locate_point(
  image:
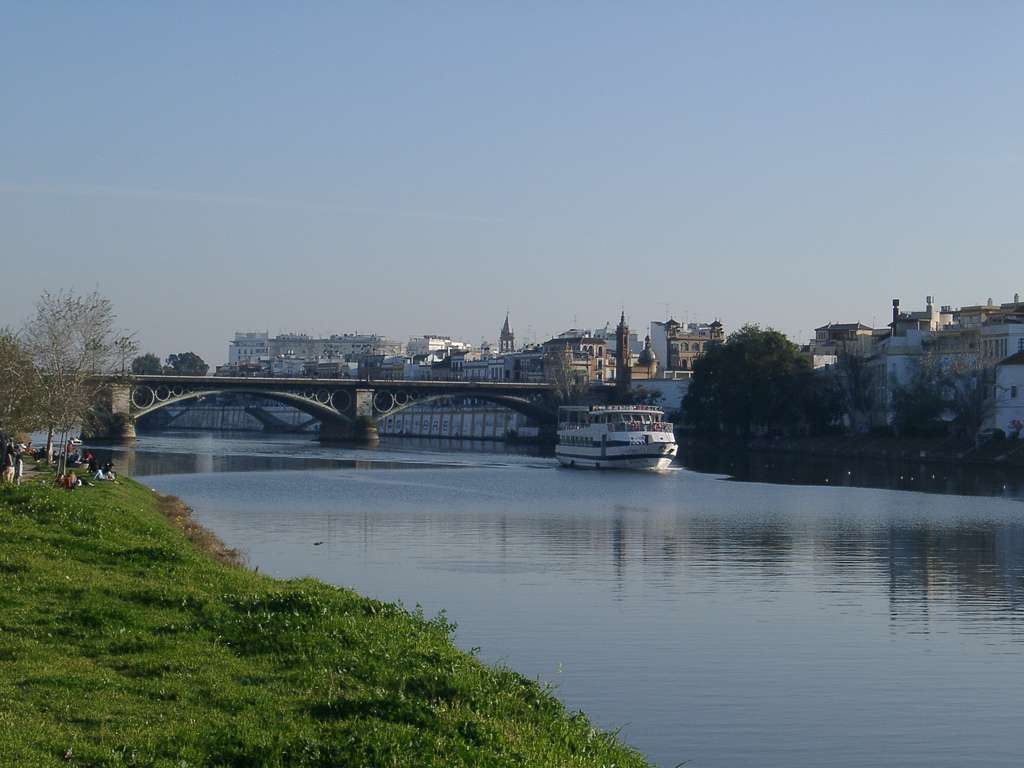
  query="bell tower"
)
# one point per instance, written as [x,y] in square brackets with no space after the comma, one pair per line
[623,369]
[507,340]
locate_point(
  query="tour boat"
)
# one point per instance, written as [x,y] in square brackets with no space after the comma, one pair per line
[614,437]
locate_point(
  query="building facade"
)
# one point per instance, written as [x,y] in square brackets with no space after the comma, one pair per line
[677,346]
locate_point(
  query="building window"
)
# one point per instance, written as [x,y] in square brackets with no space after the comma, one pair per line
[1013,391]
[1020,344]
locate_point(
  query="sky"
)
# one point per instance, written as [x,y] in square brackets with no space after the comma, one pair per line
[422,168]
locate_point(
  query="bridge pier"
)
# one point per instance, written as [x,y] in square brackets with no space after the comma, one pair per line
[362,431]
[110,420]
[122,425]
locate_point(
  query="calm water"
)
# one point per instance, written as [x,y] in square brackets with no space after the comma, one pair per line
[724,623]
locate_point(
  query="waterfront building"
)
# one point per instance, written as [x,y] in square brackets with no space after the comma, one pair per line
[1002,335]
[248,347]
[676,346]
[288,365]
[428,343]
[845,338]
[1007,412]
[331,368]
[289,351]
[586,356]
[458,359]
[975,336]
[526,365]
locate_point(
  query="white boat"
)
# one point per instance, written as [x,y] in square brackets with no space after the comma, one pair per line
[614,437]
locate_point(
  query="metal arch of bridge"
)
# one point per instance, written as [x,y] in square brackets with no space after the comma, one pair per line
[154,402]
[388,403]
[338,403]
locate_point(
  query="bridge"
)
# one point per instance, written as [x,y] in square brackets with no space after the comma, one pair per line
[347,409]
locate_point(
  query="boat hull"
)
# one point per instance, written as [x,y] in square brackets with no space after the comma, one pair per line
[647,460]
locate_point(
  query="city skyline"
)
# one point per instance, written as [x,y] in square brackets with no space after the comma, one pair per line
[347,168]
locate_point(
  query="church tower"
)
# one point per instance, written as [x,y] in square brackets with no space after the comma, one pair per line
[507,340]
[623,368]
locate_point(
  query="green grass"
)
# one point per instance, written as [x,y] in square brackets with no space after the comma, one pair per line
[123,644]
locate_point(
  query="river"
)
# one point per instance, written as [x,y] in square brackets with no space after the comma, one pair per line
[807,622]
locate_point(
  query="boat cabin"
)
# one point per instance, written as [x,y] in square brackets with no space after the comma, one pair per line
[619,418]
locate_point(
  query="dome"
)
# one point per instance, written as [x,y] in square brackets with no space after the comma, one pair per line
[647,356]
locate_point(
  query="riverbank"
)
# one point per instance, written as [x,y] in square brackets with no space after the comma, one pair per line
[941,450]
[129,635]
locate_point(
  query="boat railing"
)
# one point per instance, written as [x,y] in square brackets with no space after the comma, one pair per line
[624,426]
[636,426]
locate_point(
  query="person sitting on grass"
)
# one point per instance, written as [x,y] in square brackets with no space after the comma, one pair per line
[70,481]
[106,472]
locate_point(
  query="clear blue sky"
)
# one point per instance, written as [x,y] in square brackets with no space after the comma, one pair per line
[412,168]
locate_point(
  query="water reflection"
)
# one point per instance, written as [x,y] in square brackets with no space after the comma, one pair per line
[191,451]
[800,469]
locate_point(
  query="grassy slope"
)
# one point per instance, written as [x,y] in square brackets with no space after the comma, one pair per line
[123,643]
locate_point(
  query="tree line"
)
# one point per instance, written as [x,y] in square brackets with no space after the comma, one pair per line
[49,366]
[180,364]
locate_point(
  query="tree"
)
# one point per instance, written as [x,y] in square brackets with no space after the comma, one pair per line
[757,381]
[855,379]
[969,387]
[124,348]
[559,370]
[70,339]
[146,364]
[919,404]
[186,364]
[19,394]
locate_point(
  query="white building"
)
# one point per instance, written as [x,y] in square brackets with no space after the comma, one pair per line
[424,345]
[1000,340]
[288,365]
[253,347]
[248,347]
[1008,410]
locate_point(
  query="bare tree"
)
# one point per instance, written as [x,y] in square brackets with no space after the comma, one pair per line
[969,388]
[559,369]
[19,395]
[125,348]
[71,339]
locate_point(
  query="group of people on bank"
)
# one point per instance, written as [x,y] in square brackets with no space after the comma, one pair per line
[74,458]
[14,464]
